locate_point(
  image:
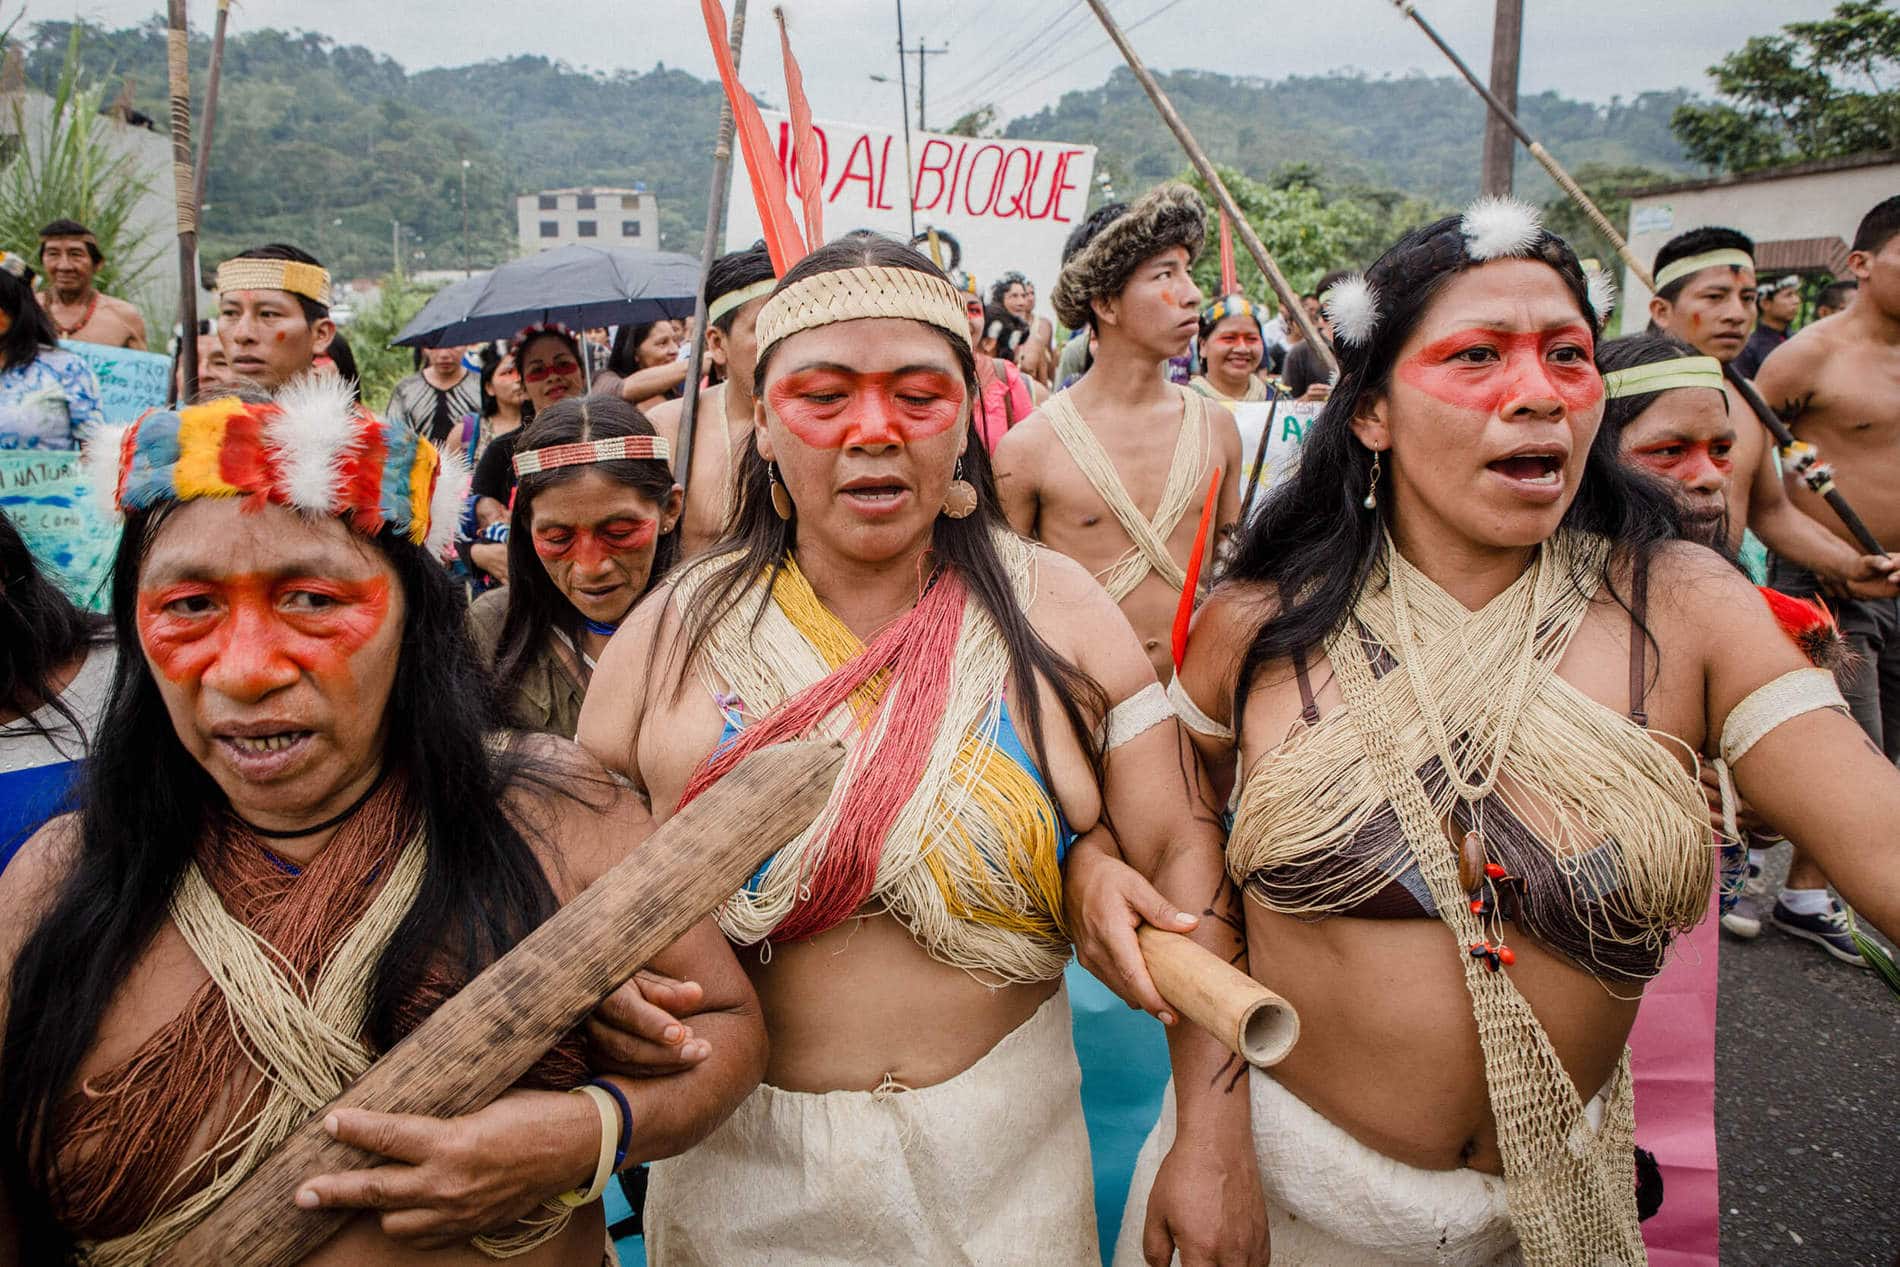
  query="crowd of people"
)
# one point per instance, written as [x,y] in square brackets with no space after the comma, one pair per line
[1460,729]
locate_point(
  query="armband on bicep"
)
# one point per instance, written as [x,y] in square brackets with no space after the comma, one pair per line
[1789,696]
[1193,718]
[1135,716]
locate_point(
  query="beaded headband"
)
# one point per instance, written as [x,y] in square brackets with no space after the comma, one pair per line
[858,294]
[294,276]
[16,265]
[733,300]
[312,449]
[1658,376]
[587,452]
[1230,306]
[1728,256]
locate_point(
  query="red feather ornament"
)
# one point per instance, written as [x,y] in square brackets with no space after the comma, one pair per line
[811,180]
[1184,613]
[1812,626]
[761,159]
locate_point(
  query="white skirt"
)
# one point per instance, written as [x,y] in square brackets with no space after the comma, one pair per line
[991,1167]
[1332,1201]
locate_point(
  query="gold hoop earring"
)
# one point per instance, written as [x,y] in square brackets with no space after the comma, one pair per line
[959,499]
[781,500]
[1372,488]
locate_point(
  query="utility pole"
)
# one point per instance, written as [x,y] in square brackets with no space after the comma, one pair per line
[922,53]
[1507,41]
[903,102]
[465,269]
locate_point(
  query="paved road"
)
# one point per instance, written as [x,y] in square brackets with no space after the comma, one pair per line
[1807,1108]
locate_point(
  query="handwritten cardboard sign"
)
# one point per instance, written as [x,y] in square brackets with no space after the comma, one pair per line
[70,535]
[129,382]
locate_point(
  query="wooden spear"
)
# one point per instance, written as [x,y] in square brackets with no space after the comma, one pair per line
[211,102]
[715,209]
[480,1041]
[1803,458]
[1289,299]
[178,59]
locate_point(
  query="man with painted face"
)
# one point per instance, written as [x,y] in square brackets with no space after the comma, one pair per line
[736,287]
[1705,296]
[70,257]
[273,314]
[1086,474]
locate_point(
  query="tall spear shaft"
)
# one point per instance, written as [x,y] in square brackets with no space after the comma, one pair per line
[1289,299]
[212,80]
[178,64]
[715,204]
[1804,459]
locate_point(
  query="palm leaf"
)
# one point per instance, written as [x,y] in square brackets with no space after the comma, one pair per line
[1875,954]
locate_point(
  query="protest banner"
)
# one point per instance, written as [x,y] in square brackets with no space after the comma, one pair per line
[129,382]
[69,533]
[1291,422]
[1008,204]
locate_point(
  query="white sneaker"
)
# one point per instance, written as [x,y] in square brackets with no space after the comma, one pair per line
[1744,919]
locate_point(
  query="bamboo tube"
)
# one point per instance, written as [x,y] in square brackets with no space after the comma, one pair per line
[1250,1020]
[478,1042]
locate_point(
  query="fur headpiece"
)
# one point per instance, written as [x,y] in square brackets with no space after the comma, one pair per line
[1168,215]
[312,449]
[1490,229]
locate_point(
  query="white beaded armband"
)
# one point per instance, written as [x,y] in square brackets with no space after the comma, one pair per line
[1136,715]
[1192,717]
[1787,697]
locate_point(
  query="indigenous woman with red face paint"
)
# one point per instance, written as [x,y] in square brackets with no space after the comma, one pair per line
[921,1103]
[592,529]
[1462,673]
[296,838]
[548,359]
[1232,346]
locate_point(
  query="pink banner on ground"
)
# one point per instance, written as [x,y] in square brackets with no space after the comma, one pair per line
[1672,1054]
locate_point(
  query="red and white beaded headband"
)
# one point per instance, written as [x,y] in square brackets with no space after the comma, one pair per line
[587,452]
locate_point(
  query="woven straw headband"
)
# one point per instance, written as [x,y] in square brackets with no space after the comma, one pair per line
[858,294]
[1728,255]
[733,300]
[1659,376]
[294,276]
[587,452]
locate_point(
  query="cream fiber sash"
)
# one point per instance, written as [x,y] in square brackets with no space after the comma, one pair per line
[1605,781]
[977,893]
[1186,473]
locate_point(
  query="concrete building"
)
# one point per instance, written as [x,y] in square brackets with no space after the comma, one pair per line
[1802,217]
[597,217]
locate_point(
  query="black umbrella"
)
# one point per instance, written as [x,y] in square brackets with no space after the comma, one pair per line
[579,286]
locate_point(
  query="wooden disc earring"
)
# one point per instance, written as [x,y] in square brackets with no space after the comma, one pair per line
[781,500]
[959,499]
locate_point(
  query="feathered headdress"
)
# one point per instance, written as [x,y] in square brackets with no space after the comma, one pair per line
[311,449]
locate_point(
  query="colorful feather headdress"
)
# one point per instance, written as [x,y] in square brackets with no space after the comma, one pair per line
[853,294]
[312,449]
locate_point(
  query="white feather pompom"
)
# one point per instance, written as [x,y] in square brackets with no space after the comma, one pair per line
[101,454]
[1353,308]
[1602,291]
[445,504]
[310,437]
[1498,227]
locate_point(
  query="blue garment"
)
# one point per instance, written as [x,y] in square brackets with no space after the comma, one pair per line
[31,796]
[45,403]
[41,757]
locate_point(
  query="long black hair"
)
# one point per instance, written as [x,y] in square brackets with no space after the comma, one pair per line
[31,331]
[41,631]
[1314,544]
[624,360]
[536,606]
[146,804]
[758,542]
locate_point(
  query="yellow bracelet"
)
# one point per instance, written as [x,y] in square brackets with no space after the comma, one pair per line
[609,1139]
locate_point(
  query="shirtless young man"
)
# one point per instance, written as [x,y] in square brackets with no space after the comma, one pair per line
[273,314]
[1706,297]
[70,256]
[1837,385]
[1087,473]
[736,287]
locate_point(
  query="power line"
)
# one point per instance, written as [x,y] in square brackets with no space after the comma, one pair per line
[1136,25]
[1010,59]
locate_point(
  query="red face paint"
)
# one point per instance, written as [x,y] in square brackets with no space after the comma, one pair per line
[1490,370]
[1688,461]
[834,408]
[590,547]
[280,336]
[1235,339]
[247,634]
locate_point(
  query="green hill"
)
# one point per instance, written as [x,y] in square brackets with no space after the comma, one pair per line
[326,144]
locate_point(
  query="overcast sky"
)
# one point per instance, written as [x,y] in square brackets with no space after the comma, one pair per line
[1023,54]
